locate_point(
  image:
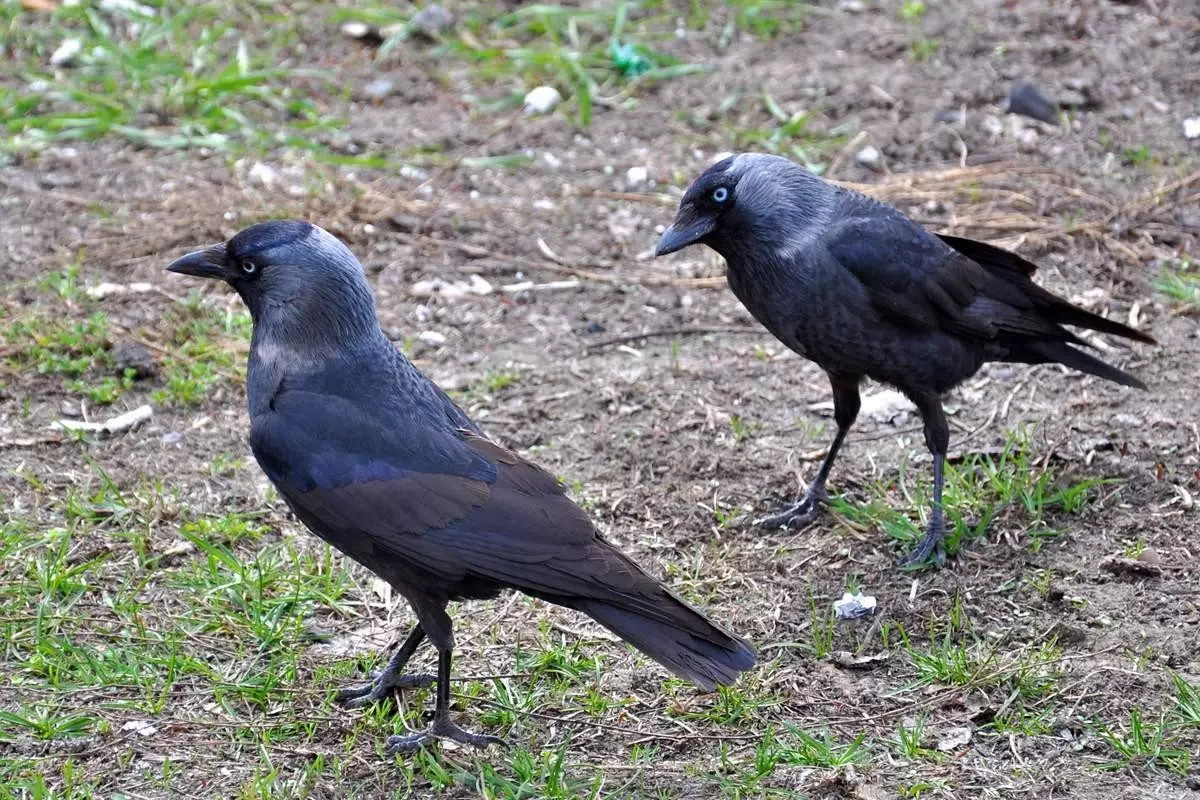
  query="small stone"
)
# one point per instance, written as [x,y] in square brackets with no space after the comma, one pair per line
[993,126]
[172,437]
[1026,137]
[636,176]
[950,116]
[1128,113]
[1071,99]
[431,22]
[1027,100]
[66,53]
[869,157]
[378,90]
[1126,420]
[1191,128]
[68,409]
[367,34]
[263,174]
[1150,556]
[542,100]
[1160,106]
[135,358]
[851,6]
[432,338]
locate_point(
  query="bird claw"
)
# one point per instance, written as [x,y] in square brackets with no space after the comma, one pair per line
[442,728]
[794,516]
[382,685]
[933,543]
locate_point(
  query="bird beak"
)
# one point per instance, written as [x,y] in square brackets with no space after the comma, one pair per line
[685,230]
[206,263]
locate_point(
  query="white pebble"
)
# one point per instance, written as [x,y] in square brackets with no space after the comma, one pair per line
[434,338]
[262,173]
[636,176]
[869,157]
[66,53]
[1191,128]
[541,100]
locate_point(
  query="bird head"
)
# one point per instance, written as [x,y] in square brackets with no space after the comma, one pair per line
[746,199]
[278,263]
[305,290]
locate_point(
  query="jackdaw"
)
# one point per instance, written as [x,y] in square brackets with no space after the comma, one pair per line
[857,287]
[376,460]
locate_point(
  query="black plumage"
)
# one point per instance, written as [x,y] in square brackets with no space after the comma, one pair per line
[379,462]
[860,289]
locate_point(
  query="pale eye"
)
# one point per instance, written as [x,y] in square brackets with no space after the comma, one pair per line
[249,267]
[720,194]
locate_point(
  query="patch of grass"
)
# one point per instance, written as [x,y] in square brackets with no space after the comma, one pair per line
[498,380]
[1140,156]
[923,49]
[768,18]
[593,56]
[1180,283]
[168,75]
[47,724]
[788,134]
[1012,485]
[741,429]
[200,353]
[51,345]
[1027,674]
[908,743]
[1143,743]
[1187,702]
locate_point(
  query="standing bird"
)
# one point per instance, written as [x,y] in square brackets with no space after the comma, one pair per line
[376,460]
[859,288]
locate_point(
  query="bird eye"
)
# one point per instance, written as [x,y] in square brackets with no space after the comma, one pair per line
[249,267]
[720,194]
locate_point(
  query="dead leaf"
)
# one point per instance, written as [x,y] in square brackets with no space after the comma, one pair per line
[954,738]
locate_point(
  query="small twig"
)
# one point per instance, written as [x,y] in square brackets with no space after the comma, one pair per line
[633,337]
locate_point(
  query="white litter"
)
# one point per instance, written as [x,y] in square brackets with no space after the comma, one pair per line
[853,606]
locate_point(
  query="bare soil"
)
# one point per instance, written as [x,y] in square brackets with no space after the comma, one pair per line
[646,425]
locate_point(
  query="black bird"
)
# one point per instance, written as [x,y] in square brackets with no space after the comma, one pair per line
[857,287]
[376,460]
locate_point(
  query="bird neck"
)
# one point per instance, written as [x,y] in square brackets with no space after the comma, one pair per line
[309,333]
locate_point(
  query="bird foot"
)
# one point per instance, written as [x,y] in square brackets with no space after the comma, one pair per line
[382,685]
[794,516]
[442,728]
[933,543]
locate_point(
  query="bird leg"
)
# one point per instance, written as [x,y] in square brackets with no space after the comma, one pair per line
[933,543]
[390,678]
[846,403]
[937,437]
[443,727]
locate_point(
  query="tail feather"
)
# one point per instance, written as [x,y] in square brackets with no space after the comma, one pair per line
[1012,268]
[1062,353]
[705,655]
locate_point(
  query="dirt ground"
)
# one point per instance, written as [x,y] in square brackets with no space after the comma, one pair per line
[664,439]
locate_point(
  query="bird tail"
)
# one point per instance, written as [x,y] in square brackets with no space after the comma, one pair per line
[681,639]
[1063,353]
[1015,270]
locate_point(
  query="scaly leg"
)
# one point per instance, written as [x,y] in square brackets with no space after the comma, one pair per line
[846,402]
[390,678]
[937,438]
[443,727]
